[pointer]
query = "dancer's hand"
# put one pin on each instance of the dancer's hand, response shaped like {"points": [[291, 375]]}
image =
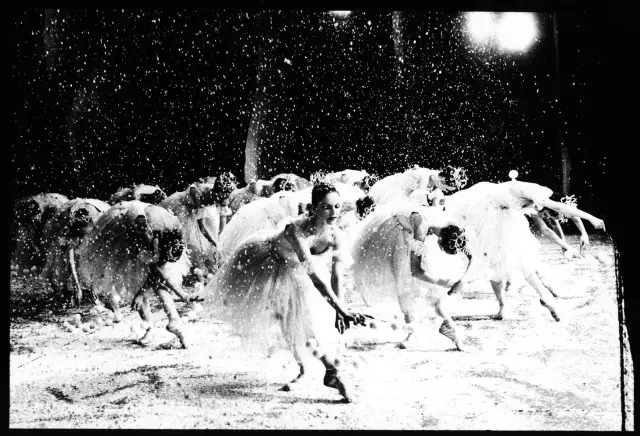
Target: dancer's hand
{"points": [[597, 224], [455, 288], [355, 318], [340, 324], [584, 241]]}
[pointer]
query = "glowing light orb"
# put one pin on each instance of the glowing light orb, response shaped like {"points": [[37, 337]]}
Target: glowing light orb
{"points": [[513, 174], [341, 14], [480, 26], [516, 31], [509, 31]]}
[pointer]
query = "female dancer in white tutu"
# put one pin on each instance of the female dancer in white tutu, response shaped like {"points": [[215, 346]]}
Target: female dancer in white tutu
{"points": [[147, 193], [255, 190], [262, 214], [291, 279], [500, 240], [30, 217], [202, 211], [125, 257], [63, 235], [349, 195], [297, 182], [349, 177], [414, 184], [410, 252], [547, 221]]}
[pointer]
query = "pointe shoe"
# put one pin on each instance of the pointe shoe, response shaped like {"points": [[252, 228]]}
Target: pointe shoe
{"points": [[332, 380], [148, 337], [447, 330], [175, 328], [502, 314]]}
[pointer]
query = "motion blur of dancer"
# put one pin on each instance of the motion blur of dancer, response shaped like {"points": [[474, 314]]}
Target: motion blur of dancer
{"points": [[500, 240], [30, 216], [202, 211], [63, 234], [291, 279], [125, 257], [412, 254]]}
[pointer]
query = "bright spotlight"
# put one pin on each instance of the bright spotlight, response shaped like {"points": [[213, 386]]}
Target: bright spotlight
{"points": [[516, 31], [480, 26], [341, 14]]}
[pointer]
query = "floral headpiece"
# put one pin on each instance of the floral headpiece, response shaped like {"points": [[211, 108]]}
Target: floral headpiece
{"points": [[227, 182], [571, 201], [453, 239], [317, 177]]}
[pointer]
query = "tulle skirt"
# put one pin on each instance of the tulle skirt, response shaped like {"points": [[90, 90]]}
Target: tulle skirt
{"points": [[263, 214], [499, 237], [109, 259], [265, 297], [30, 241], [347, 176], [240, 197], [412, 185], [59, 242], [381, 256], [201, 252], [381, 253]]}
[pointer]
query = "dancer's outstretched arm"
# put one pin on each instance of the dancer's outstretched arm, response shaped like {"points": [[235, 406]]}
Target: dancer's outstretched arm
{"points": [[546, 231], [584, 236], [301, 248], [573, 212]]}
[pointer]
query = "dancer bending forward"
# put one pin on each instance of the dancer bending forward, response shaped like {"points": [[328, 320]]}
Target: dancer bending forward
{"points": [[410, 252], [501, 242], [291, 278]]}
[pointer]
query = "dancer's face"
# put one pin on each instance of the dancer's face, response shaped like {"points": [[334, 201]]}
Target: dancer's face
{"points": [[328, 209]]}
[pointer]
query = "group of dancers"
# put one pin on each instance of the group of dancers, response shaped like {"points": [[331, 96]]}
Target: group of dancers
{"points": [[272, 258]]}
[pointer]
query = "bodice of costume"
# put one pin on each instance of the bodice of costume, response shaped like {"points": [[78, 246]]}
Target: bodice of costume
{"points": [[282, 250]]}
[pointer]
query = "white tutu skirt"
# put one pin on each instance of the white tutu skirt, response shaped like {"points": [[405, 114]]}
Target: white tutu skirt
{"points": [[59, 241], [263, 214], [348, 177], [201, 252], [28, 229], [499, 237], [265, 297], [381, 254], [240, 197], [110, 259], [411, 185]]}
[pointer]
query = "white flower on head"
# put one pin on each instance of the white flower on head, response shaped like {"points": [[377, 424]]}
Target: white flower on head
{"points": [[569, 200], [460, 177], [317, 177]]}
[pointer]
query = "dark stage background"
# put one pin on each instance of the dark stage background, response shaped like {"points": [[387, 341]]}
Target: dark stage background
{"points": [[110, 97]]}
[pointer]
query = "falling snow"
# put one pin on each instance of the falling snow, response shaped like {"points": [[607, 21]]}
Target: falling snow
{"points": [[165, 97]]}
